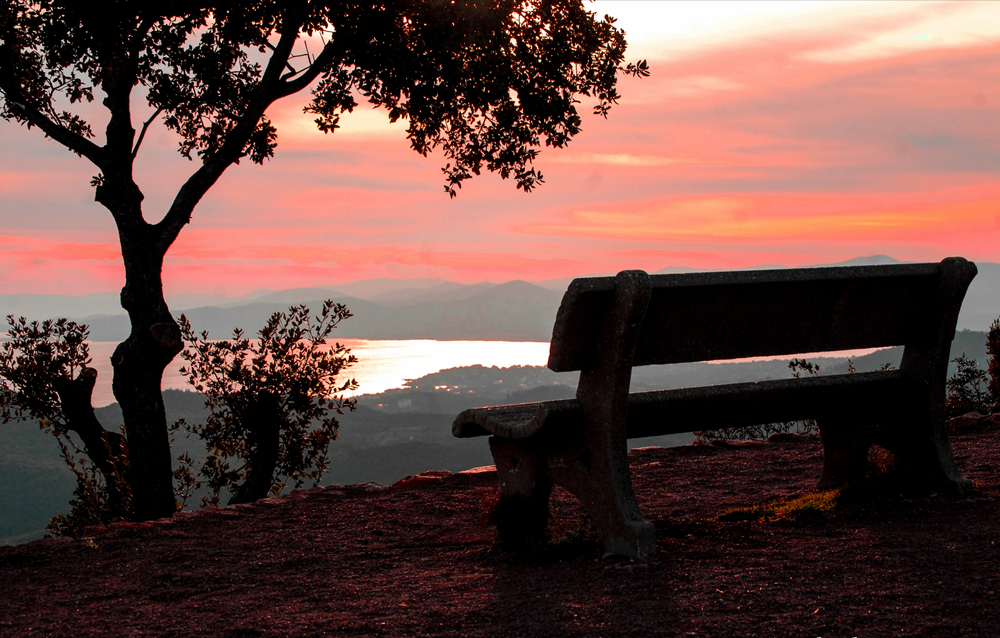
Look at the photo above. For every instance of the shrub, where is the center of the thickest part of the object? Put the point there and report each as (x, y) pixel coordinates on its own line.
(881, 462)
(993, 365)
(269, 402)
(763, 431)
(45, 376)
(967, 388)
(90, 503)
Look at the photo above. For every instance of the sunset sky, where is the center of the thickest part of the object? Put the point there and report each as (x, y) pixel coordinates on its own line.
(768, 133)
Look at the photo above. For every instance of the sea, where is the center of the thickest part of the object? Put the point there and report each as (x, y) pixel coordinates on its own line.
(382, 364)
(386, 364)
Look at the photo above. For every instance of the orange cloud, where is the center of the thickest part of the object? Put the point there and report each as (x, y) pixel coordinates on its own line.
(781, 217)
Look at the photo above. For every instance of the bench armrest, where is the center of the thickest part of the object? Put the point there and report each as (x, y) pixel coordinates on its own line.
(517, 421)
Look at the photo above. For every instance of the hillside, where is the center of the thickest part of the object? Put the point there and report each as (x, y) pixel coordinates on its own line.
(394, 433)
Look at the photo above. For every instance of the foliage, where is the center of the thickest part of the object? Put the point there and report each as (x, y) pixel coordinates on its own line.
(485, 82)
(967, 389)
(37, 368)
(35, 356)
(878, 480)
(798, 366)
(270, 401)
(90, 504)
(185, 482)
(993, 365)
(763, 431)
(881, 462)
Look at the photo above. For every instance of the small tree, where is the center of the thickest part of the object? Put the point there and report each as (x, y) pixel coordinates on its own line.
(45, 376)
(270, 402)
(967, 388)
(993, 365)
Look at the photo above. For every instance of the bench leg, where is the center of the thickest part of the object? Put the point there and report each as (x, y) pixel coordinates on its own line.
(523, 512)
(604, 485)
(923, 458)
(616, 514)
(845, 452)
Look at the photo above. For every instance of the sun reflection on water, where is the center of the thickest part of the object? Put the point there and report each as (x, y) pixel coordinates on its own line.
(382, 365)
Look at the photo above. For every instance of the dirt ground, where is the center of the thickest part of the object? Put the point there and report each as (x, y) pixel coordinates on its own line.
(419, 559)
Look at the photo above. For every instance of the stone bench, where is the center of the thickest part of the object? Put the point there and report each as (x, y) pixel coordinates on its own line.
(606, 325)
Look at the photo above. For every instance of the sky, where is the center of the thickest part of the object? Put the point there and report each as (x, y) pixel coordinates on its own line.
(792, 133)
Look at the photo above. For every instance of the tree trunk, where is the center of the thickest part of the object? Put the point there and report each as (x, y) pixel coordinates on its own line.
(138, 363)
(263, 424)
(107, 450)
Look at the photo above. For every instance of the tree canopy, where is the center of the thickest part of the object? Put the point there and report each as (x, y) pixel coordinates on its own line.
(488, 82)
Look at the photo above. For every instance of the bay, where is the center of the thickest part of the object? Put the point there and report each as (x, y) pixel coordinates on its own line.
(382, 364)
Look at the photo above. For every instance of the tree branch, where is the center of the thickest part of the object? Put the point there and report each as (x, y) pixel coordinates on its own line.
(291, 69)
(73, 141)
(283, 50)
(322, 60)
(268, 90)
(142, 133)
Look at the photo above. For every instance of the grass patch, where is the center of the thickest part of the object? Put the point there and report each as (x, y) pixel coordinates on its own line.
(880, 481)
(803, 508)
(173, 532)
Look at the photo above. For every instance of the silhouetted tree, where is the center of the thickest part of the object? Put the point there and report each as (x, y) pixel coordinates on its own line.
(486, 82)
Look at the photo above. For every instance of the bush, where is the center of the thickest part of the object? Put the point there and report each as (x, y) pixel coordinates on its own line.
(993, 365)
(269, 401)
(967, 389)
(45, 376)
(269, 404)
(763, 431)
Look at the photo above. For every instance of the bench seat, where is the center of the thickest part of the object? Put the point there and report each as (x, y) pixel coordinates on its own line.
(662, 412)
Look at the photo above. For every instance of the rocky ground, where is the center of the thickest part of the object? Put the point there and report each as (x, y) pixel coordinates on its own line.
(419, 559)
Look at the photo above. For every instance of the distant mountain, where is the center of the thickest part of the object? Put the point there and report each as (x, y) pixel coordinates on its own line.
(514, 311)
(444, 292)
(105, 303)
(195, 300)
(874, 260)
(50, 306)
(384, 288)
(412, 308)
(982, 303)
(292, 296)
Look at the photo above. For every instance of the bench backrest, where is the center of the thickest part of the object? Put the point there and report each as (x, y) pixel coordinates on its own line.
(731, 315)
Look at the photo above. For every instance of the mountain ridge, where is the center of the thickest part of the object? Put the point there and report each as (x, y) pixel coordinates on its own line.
(418, 308)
